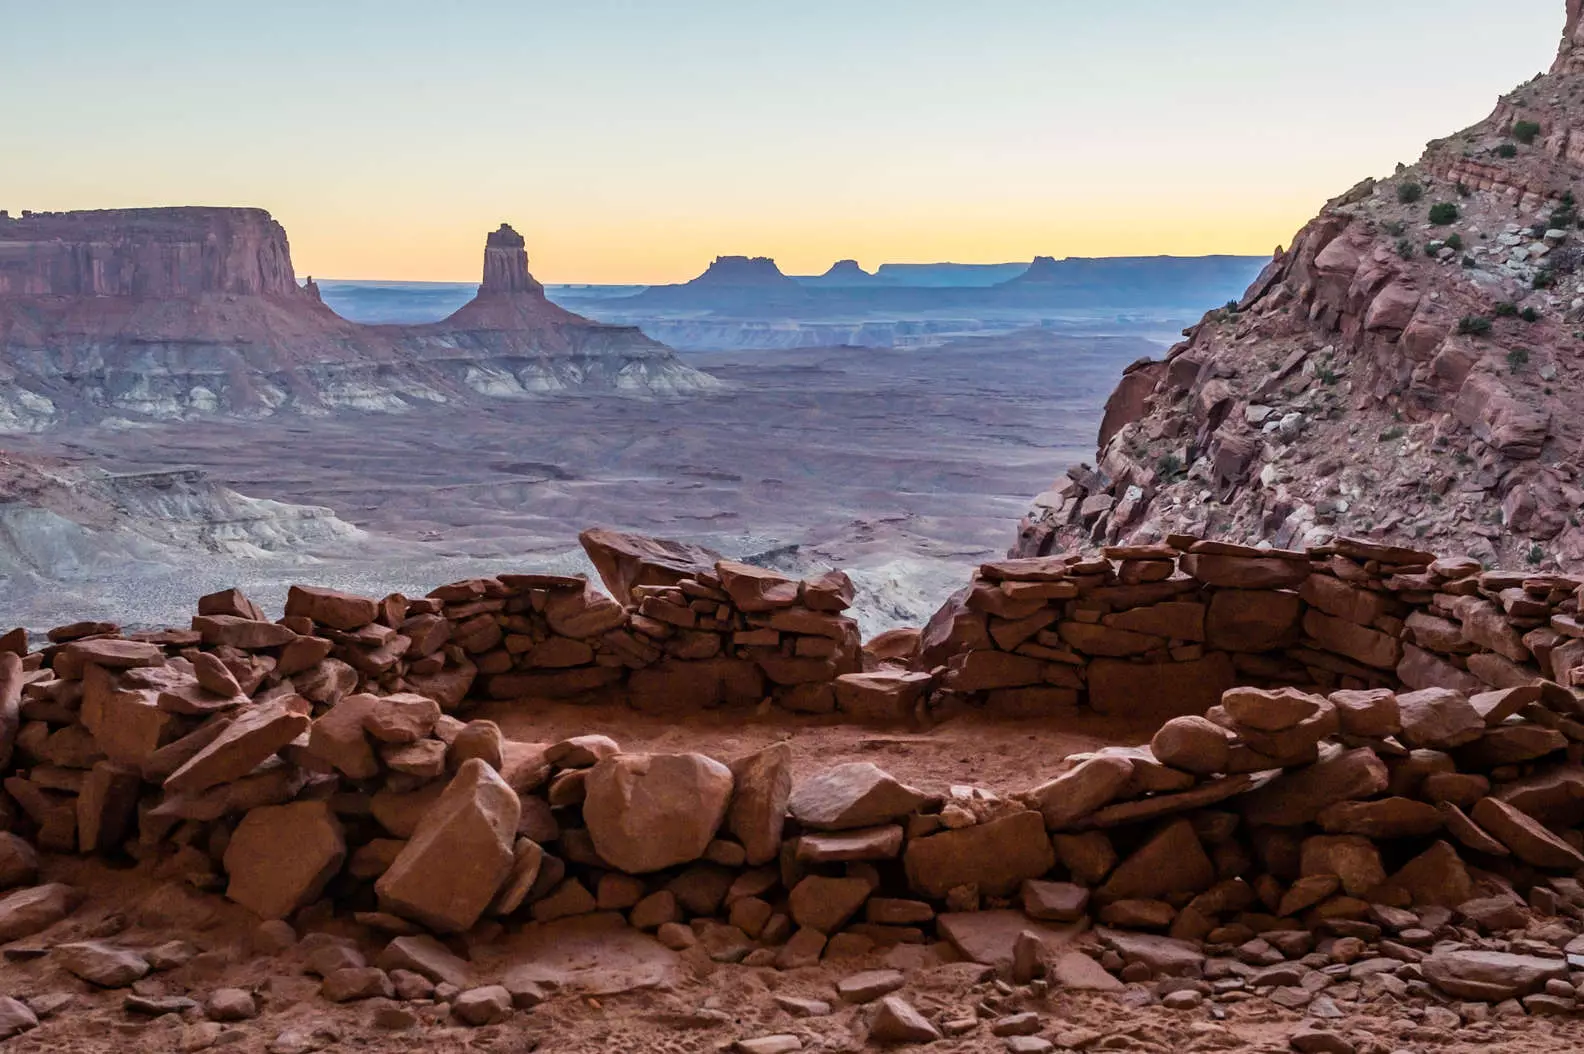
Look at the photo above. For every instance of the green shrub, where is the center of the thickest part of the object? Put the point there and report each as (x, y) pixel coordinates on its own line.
(1517, 359)
(1443, 213)
(1464, 191)
(1474, 325)
(1506, 309)
(1536, 554)
(1409, 192)
(1454, 241)
(1394, 228)
(1525, 132)
(1169, 466)
(1529, 314)
(1392, 434)
(1544, 279)
(1506, 150)
(1405, 248)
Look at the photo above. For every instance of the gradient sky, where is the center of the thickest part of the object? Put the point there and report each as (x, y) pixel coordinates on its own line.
(634, 140)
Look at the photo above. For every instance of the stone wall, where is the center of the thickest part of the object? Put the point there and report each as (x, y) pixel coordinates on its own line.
(1363, 750)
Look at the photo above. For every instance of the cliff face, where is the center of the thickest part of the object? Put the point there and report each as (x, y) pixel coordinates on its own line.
(1410, 369)
(177, 313)
(145, 253)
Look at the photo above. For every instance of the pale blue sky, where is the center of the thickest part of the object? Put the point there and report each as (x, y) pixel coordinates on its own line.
(634, 141)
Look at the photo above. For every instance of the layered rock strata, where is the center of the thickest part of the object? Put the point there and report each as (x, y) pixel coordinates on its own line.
(1406, 370)
(186, 312)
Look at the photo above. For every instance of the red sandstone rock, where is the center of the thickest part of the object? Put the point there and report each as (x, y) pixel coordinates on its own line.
(647, 812)
(280, 858)
(459, 854)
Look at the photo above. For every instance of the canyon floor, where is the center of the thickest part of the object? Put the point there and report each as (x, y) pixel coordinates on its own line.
(907, 466)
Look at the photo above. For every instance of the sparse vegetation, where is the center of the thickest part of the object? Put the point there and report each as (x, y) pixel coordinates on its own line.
(1474, 325)
(1454, 241)
(1405, 248)
(1409, 192)
(1506, 309)
(1544, 278)
(1169, 466)
(1507, 150)
(1443, 213)
(1464, 191)
(1526, 132)
(1536, 554)
(1394, 228)
(1393, 433)
(1327, 375)
(1517, 359)
(1529, 314)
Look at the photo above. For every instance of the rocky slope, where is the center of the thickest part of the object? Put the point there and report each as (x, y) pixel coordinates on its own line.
(187, 312)
(1409, 369)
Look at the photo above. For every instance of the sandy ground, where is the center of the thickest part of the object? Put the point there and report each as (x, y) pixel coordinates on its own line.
(615, 991)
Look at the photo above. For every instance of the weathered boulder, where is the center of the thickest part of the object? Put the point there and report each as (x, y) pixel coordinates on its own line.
(1081, 790)
(856, 794)
(1439, 719)
(647, 812)
(1527, 838)
(1171, 862)
(281, 857)
(763, 787)
(996, 856)
(459, 854)
(1491, 976)
(1193, 744)
(34, 909)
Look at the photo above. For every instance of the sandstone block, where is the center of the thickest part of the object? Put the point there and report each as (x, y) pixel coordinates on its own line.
(647, 812)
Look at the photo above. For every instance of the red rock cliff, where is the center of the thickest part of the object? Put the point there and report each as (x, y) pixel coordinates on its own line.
(152, 253)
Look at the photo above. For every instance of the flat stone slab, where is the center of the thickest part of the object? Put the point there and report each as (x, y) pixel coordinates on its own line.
(988, 936)
(590, 954)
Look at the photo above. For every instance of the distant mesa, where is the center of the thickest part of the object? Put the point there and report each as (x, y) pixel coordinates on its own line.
(843, 274)
(743, 271)
(172, 313)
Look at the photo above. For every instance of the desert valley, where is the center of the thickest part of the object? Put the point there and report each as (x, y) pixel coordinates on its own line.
(1134, 653)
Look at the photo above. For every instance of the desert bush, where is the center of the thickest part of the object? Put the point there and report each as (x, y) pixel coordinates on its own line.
(1409, 192)
(1474, 325)
(1443, 213)
(1506, 150)
(1525, 132)
(1529, 314)
(1506, 309)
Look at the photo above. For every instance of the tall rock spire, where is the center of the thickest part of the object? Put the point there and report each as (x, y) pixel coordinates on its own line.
(506, 264)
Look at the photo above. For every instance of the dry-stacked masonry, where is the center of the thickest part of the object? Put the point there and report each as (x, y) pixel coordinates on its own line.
(1357, 752)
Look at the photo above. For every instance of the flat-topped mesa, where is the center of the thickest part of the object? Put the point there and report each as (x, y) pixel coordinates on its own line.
(145, 253)
(506, 264)
(743, 271)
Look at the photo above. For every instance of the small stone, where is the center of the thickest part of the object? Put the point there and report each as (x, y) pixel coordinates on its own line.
(273, 936)
(231, 1004)
(780, 1044)
(898, 1022)
(1024, 1024)
(676, 936)
(870, 985)
(1319, 1041)
(101, 964)
(482, 1006)
(366, 982)
(394, 1018)
(800, 1007)
(15, 1017)
(1028, 1045)
(1182, 999)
